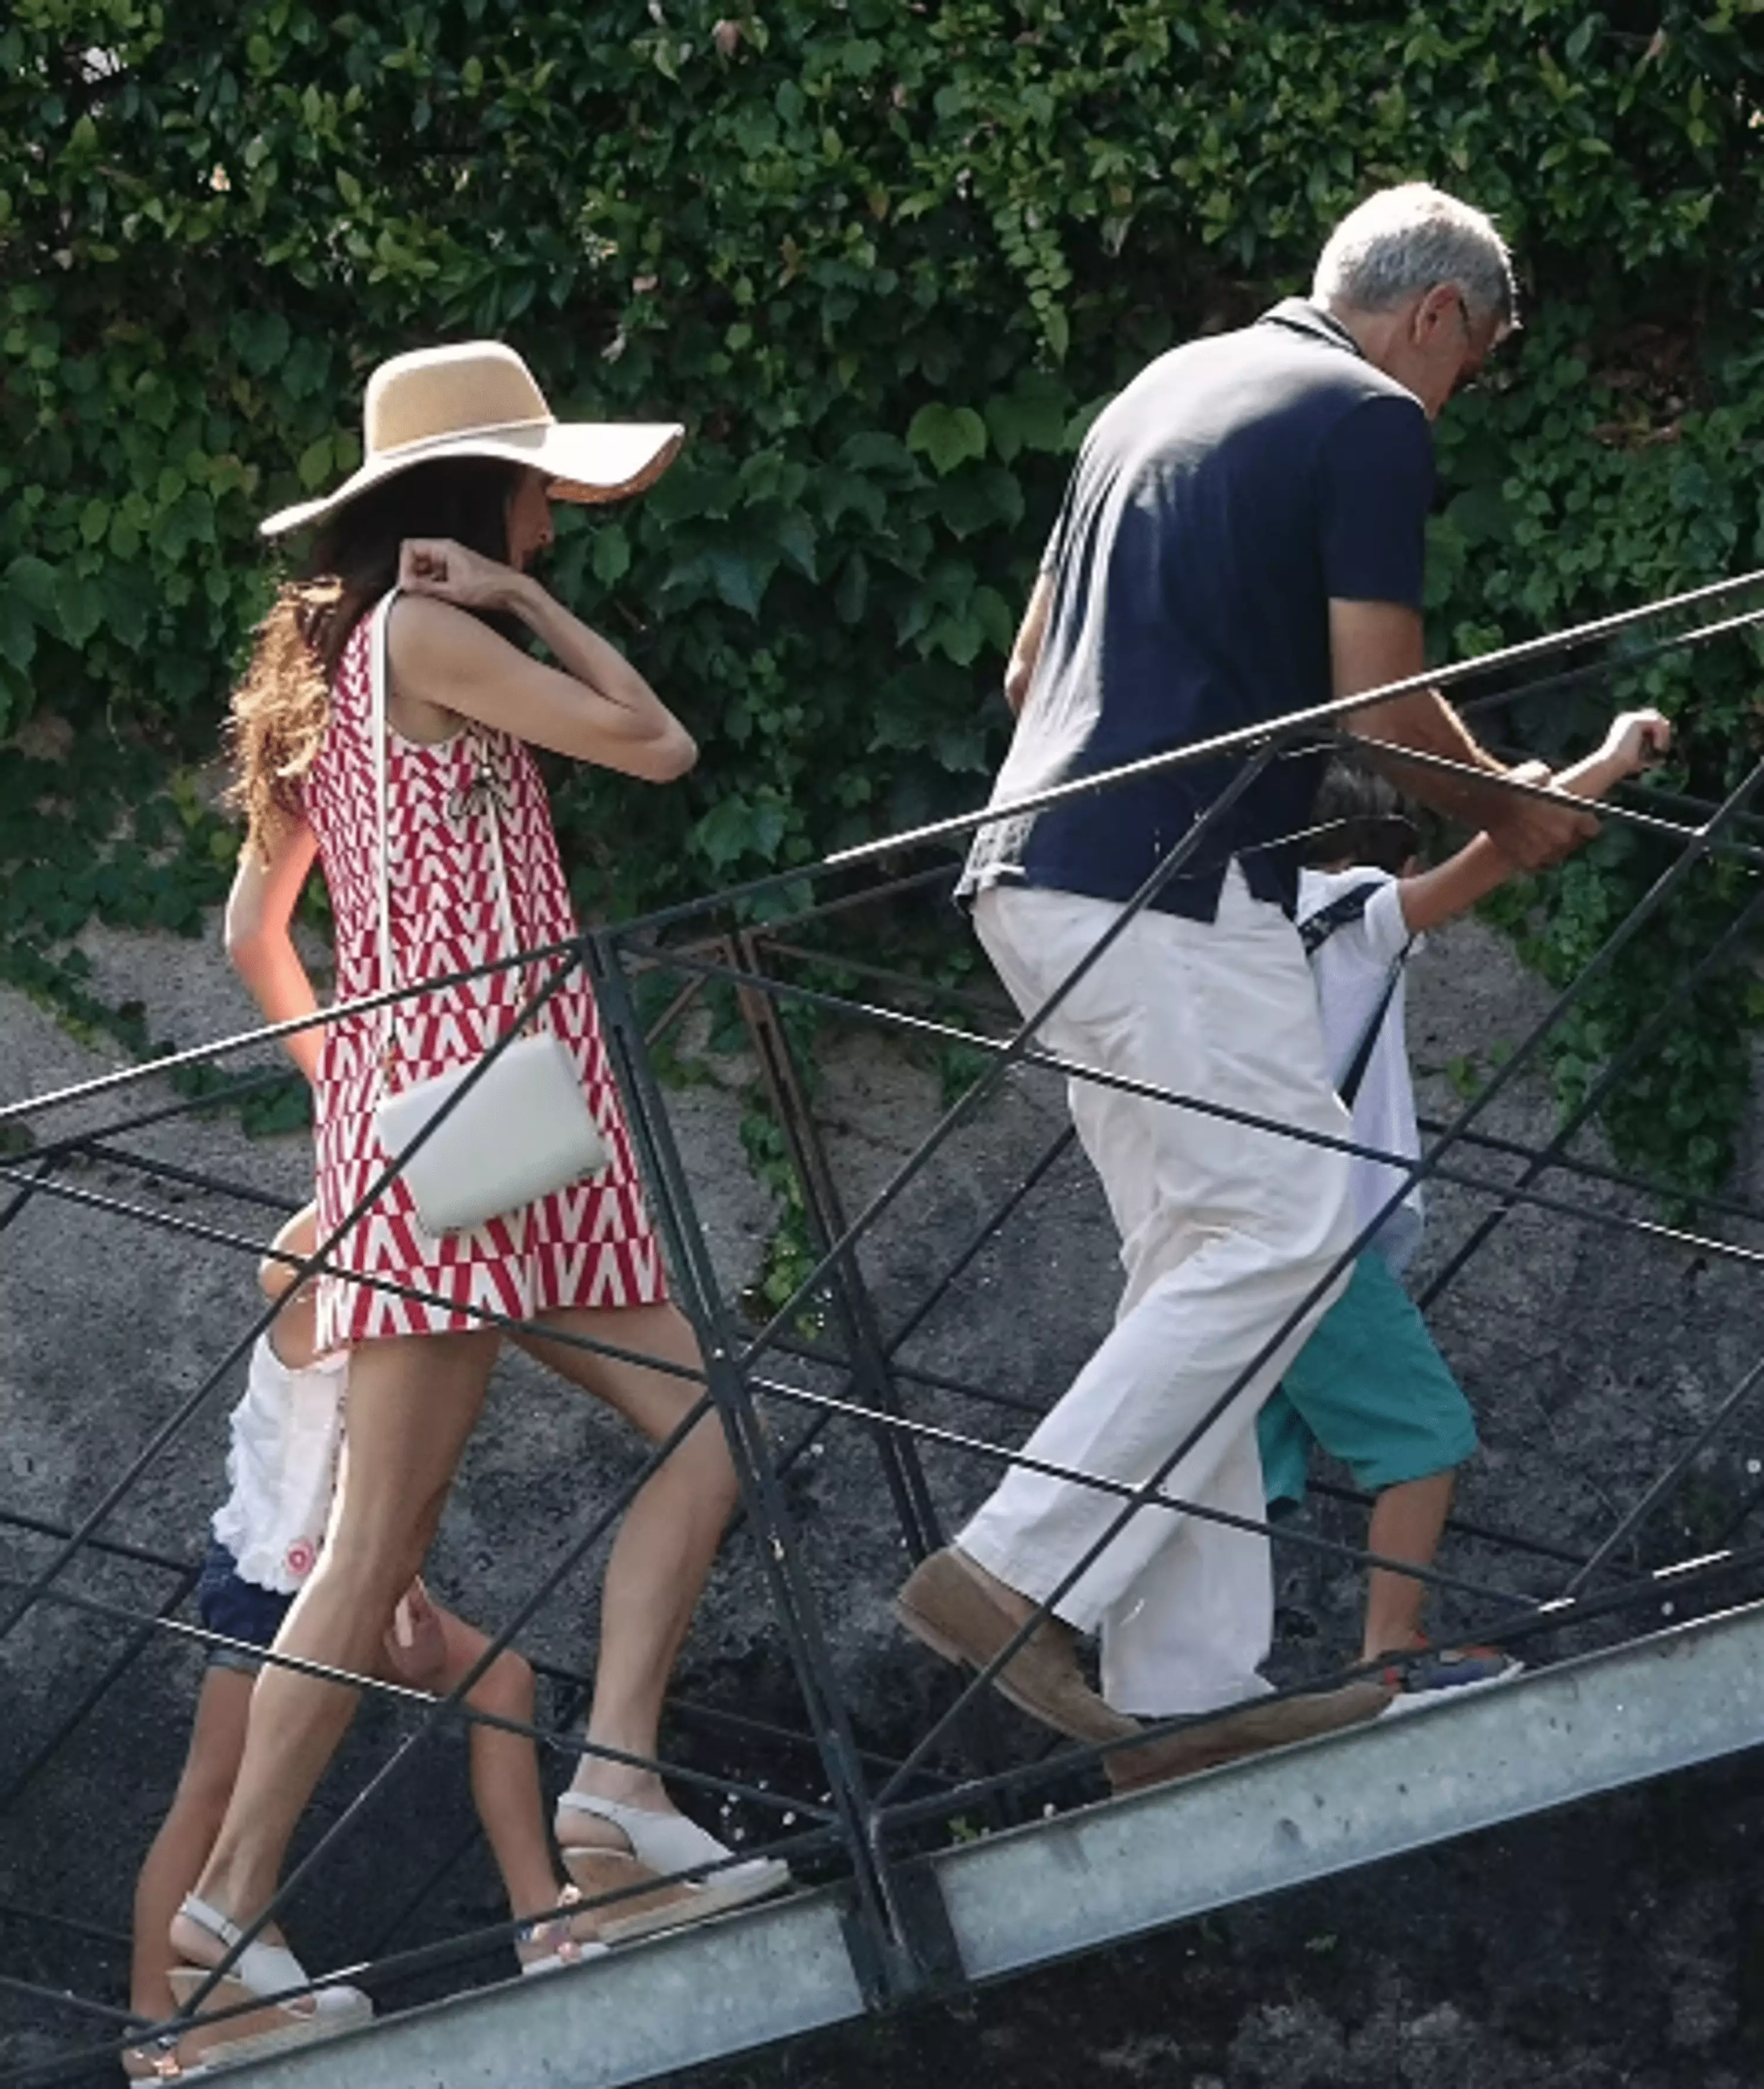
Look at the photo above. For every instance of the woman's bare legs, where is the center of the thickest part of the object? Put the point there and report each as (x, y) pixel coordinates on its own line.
(412, 1403)
(664, 1548)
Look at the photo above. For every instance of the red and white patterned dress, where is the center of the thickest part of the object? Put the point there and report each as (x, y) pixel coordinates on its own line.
(589, 1244)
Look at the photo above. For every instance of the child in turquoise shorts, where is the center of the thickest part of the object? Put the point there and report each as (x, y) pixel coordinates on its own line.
(1371, 1386)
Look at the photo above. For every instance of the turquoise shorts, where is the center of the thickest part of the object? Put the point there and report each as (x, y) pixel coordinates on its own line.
(1371, 1387)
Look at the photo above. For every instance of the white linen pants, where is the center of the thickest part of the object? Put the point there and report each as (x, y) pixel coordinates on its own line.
(1223, 1232)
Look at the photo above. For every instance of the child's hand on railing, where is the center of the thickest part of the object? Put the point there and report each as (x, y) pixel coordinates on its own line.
(1637, 740)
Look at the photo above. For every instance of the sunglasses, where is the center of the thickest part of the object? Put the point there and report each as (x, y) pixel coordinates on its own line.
(1466, 379)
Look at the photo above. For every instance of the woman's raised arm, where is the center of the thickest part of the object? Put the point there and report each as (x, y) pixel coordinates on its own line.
(593, 706)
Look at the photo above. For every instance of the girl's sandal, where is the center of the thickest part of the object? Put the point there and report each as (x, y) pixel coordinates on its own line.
(667, 1843)
(557, 1940)
(158, 2060)
(261, 1970)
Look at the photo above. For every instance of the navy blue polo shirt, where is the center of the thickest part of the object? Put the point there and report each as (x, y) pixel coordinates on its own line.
(1219, 503)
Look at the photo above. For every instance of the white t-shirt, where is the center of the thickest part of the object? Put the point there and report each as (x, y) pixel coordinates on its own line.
(282, 1466)
(1351, 969)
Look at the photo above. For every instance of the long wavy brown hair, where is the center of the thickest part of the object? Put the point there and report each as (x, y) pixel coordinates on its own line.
(282, 707)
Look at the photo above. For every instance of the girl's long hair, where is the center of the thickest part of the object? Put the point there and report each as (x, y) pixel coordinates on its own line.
(282, 707)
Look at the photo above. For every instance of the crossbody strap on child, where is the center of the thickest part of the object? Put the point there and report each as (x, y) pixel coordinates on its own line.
(1315, 929)
(378, 679)
(1314, 932)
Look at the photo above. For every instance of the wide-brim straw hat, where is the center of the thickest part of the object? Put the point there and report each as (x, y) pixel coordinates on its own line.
(477, 398)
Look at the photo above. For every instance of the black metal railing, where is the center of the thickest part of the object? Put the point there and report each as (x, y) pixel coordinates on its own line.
(828, 1354)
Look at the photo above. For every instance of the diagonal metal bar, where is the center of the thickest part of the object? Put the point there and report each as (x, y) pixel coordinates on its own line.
(1668, 1482)
(1606, 955)
(1610, 1078)
(1024, 1188)
(404, 1696)
(64, 1999)
(1584, 1170)
(850, 1294)
(396, 1764)
(183, 1106)
(1074, 1069)
(318, 1261)
(482, 1316)
(762, 1497)
(1005, 1057)
(1134, 1495)
(94, 1694)
(1245, 740)
(274, 1033)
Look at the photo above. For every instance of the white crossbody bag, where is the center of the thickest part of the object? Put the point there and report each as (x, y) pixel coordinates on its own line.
(523, 1129)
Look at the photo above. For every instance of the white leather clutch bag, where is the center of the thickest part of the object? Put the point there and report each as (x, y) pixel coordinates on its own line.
(522, 1130)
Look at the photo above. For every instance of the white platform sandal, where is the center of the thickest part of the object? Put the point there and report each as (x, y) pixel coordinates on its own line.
(666, 1843)
(260, 1969)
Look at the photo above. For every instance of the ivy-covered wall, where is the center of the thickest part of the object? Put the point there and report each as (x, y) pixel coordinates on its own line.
(885, 258)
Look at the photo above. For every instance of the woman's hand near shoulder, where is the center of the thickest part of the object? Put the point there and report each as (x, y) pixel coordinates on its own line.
(593, 706)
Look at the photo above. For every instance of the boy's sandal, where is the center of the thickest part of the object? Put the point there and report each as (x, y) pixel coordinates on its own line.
(667, 1843)
(261, 1970)
(562, 1939)
(1428, 1676)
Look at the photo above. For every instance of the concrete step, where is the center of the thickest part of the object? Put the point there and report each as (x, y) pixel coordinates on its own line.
(1093, 1876)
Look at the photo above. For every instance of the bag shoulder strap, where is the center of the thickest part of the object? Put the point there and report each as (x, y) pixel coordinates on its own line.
(379, 677)
(1314, 932)
(1348, 1087)
(1315, 929)
(377, 673)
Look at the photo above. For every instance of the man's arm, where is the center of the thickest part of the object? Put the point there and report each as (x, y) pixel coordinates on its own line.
(1372, 644)
(1635, 741)
(1025, 648)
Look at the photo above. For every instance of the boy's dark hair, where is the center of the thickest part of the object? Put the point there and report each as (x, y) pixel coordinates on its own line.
(1359, 818)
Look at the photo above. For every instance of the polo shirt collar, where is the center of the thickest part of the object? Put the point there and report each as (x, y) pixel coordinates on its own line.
(1300, 315)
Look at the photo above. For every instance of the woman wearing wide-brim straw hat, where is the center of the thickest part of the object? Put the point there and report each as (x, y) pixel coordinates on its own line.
(462, 457)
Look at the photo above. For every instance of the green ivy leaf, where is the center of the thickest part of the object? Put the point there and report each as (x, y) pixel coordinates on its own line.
(948, 436)
(611, 558)
(313, 467)
(261, 339)
(18, 628)
(79, 606)
(796, 539)
(33, 580)
(740, 578)
(1033, 417)
(853, 591)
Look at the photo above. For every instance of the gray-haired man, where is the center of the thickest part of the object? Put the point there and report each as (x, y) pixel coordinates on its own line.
(1243, 537)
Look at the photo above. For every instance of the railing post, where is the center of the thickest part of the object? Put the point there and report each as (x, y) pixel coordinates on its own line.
(877, 1937)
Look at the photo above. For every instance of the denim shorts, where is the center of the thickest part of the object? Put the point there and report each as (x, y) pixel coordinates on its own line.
(240, 1609)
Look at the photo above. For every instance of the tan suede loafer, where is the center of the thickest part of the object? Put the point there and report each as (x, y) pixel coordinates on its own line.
(946, 1604)
(1246, 1732)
